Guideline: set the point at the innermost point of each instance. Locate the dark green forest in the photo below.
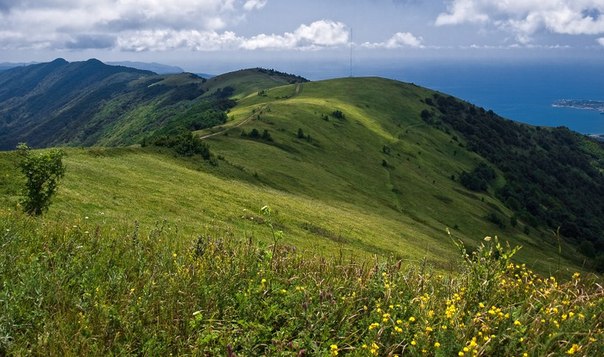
(553, 176)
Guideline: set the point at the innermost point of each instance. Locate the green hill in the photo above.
(352, 164)
(91, 103)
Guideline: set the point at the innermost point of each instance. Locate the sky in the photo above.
(220, 35)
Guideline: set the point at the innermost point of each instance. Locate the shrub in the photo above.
(42, 172)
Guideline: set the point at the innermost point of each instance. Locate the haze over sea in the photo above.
(519, 91)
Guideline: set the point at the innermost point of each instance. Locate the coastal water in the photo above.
(521, 92)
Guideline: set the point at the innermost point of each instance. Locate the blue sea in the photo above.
(522, 92)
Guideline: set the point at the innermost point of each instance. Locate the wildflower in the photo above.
(481, 305)
(374, 349)
(398, 329)
(399, 322)
(576, 275)
(574, 348)
(460, 353)
(412, 319)
(334, 350)
(413, 343)
(517, 323)
(436, 344)
(450, 311)
(487, 239)
(374, 326)
(263, 281)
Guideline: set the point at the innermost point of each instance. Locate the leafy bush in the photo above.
(42, 172)
(338, 114)
(185, 144)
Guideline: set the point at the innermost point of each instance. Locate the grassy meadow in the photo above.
(92, 288)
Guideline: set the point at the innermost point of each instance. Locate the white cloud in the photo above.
(398, 40)
(54, 24)
(165, 40)
(319, 34)
(601, 41)
(254, 4)
(525, 18)
(323, 33)
(461, 11)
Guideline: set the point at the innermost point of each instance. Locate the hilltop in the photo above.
(364, 165)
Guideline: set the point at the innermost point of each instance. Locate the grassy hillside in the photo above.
(347, 164)
(380, 155)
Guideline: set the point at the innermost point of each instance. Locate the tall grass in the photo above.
(82, 288)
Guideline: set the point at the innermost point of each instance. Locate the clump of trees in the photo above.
(42, 172)
(255, 135)
(479, 179)
(184, 144)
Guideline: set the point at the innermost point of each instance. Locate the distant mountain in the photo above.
(92, 103)
(153, 67)
(8, 65)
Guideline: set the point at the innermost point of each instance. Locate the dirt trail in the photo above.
(247, 120)
(297, 91)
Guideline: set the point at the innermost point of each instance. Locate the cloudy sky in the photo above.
(207, 34)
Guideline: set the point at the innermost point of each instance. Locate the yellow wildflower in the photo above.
(573, 349)
(374, 349)
(334, 350)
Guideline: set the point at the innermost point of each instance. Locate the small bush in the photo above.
(42, 172)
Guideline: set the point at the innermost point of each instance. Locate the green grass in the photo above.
(330, 193)
(342, 162)
(86, 286)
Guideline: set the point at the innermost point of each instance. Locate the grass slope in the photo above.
(381, 157)
(331, 192)
(89, 287)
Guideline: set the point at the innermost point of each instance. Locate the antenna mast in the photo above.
(351, 52)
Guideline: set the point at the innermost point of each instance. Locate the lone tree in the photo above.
(43, 172)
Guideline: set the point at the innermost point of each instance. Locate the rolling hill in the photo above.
(356, 165)
(91, 103)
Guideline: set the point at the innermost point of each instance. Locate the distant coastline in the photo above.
(582, 104)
